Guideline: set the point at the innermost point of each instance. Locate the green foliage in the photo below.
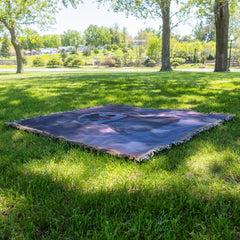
(138, 62)
(118, 52)
(97, 36)
(109, 62)
(73, 61)
(97, 62)
(51, 41)
(192, 50)
(5, 49)
(145, 35)
(150, 62)
(105, 51)
(126, 59)
(86, 52)
(140, 51)
(125, 50)
(175, 64)
(63, 54)
(178, 60)
(234, 25)
(54, 62)
(31, 40)
(71, 38)
(154, 48)
(119, 60)
(115, 35)
(195, 57)
(38, 62)
(18, 14)
(115, 47)
(74, 51)
(96, 50)
(205, 33)
(77, 62)
(68, 60)
(24, 60)
(109, 47)
(124, 35)
(54, 190)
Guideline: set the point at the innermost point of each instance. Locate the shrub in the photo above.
(203, 59)
(24, 60)
(138, 62)
(175, 64)
(119, 60)
(126, 59)
(76, 62)
(125, 50)
(109, 48)
(150, 62)
(178, 60)
(54, 62)
(63, 54)
(68, 60)
(96, 50)
(38, 62)
(109, 61)
(86, 52)
(97, 62)
(118, 52)
(115, 46)
(131, 46)
(105, 52)
(74, 51)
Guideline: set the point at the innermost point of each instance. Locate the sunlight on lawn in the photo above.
(51, 188)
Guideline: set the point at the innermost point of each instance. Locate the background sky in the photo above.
(89, 13)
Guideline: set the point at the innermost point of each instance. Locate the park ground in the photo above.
(53, 190)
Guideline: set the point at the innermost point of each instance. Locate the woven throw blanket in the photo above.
(122, 130)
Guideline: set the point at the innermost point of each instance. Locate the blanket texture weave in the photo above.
(125, 131)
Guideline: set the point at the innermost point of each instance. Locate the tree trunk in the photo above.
(17, 48)
(165, 8)
(221, 12)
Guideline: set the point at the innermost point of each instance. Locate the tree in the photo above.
(15, 15)
(72, 38)
(144, 9)
(115, 35)
(5, 49)
(165, 9)
(97, 36)
(31, 41)
(221, 10)
(144, 35)
(205, 32)
(234, 25)
(51, 41)
(154, 48)
(124, 35)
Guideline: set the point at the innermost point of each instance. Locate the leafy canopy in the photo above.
(21, 13)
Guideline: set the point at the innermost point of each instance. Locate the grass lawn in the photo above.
(53, 190)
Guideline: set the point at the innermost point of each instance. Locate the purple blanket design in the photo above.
(125, 131)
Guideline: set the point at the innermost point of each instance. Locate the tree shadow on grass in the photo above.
(42, 206)
(106, 197)
(39, 95)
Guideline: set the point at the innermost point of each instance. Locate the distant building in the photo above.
(67, 48)
(137, 43)
(48, 50)
(33, 52)
(82, 48)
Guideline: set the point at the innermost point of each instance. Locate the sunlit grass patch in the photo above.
(53, 190)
